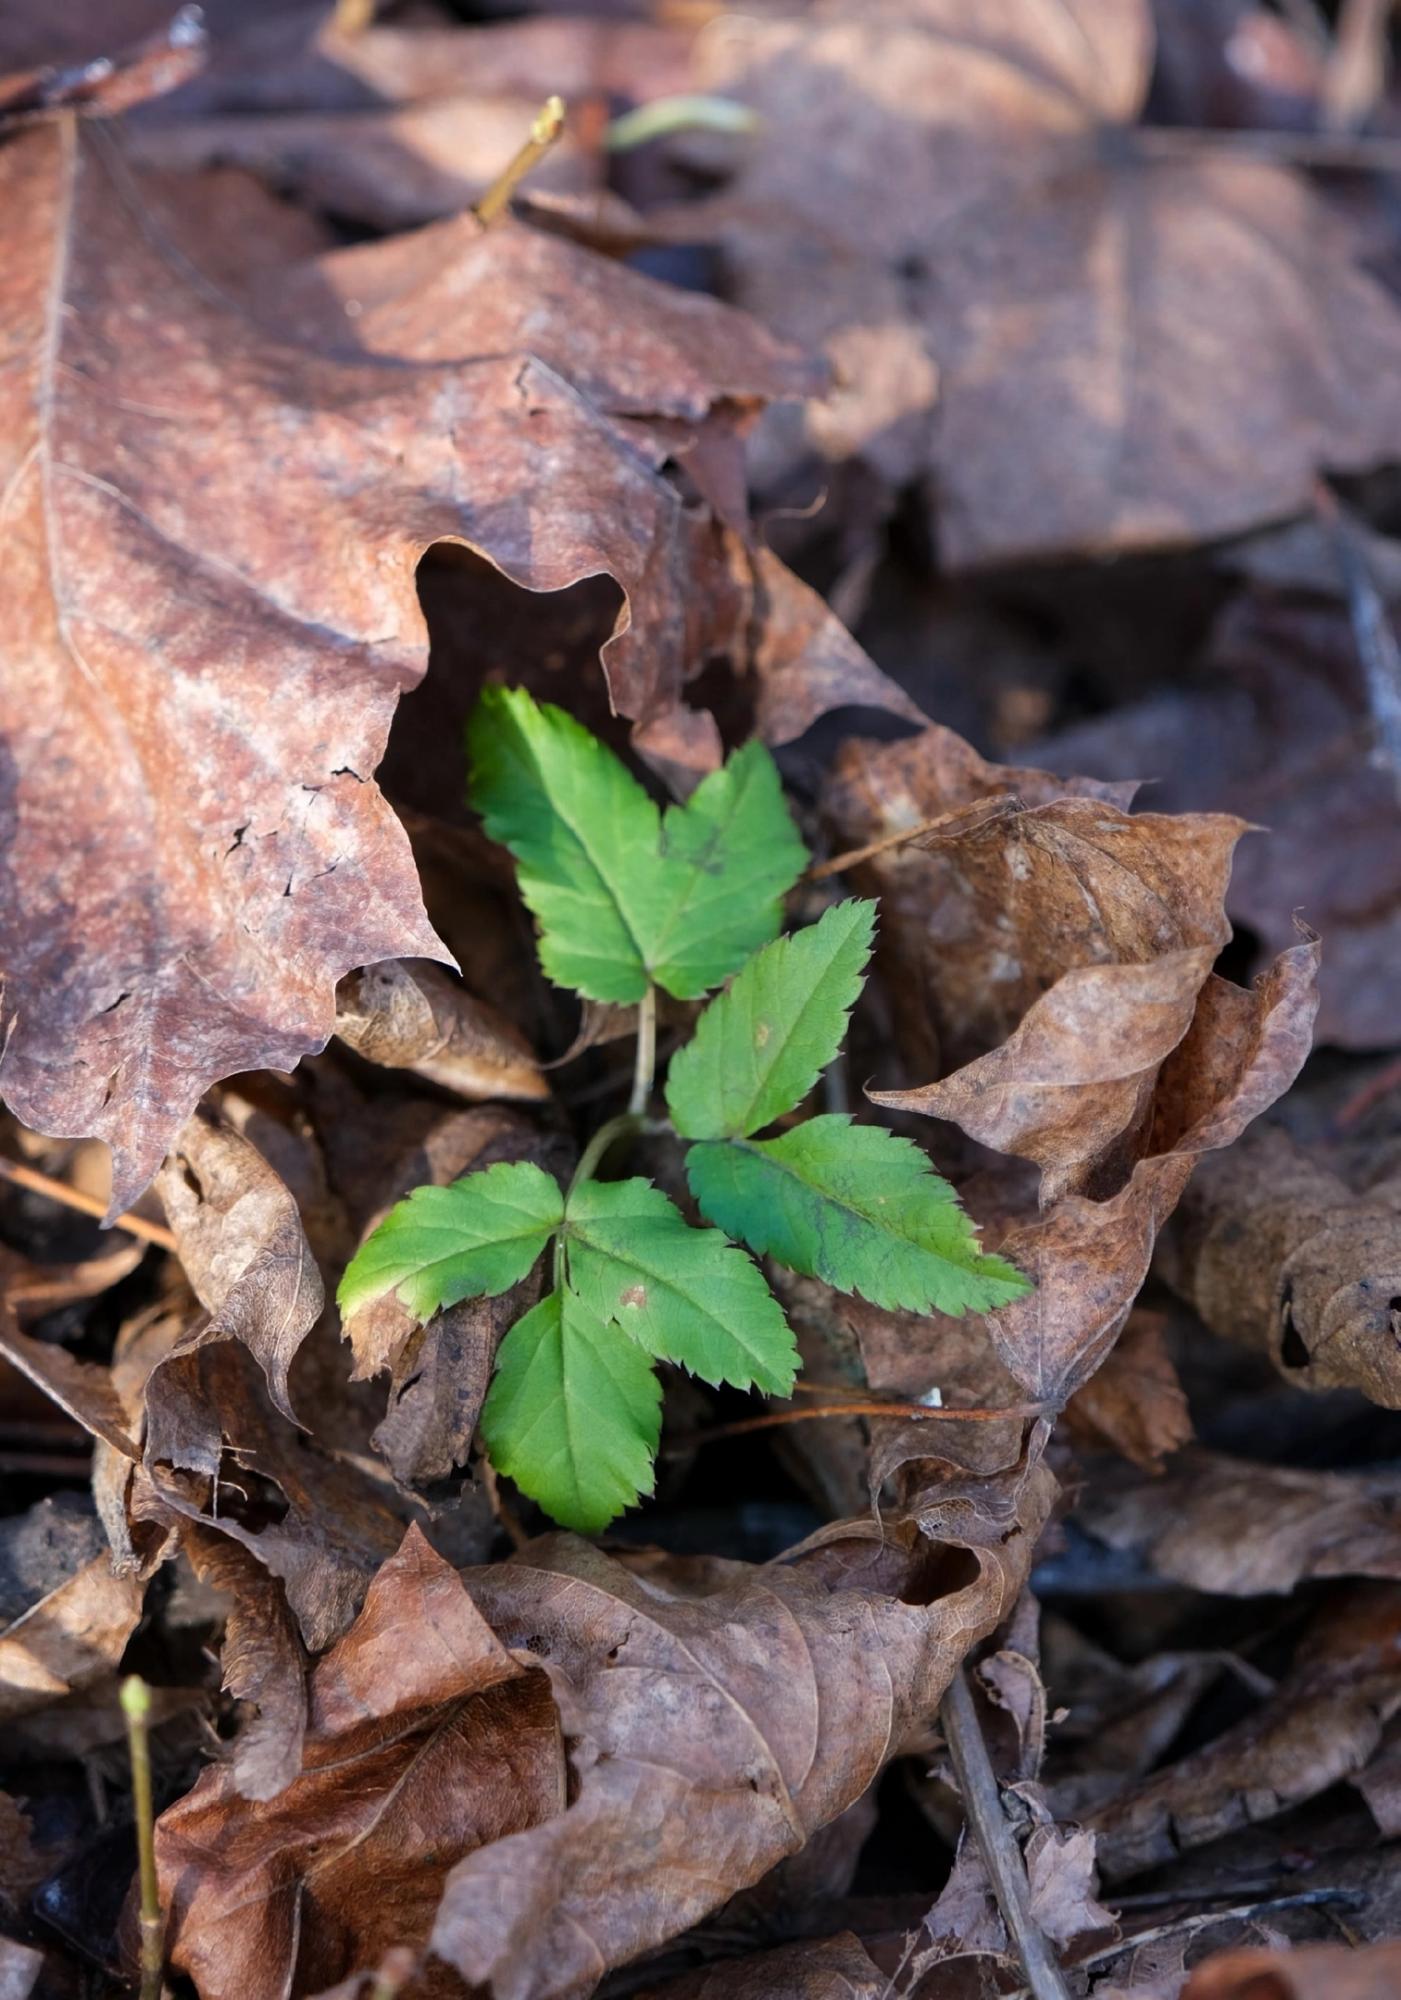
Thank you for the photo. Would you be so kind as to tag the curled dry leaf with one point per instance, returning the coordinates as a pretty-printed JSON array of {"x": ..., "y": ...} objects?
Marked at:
[
  {"x": 1134, "y": 342},
  {"x": 1323, "y": 1723},
  {"x": 263, "y": 1663},
  {"x": 74, "y": 1630},
  {"x": 242, "y": 1246},
  {"x": 407, "y": 1015},
  {"x": 1135, "y": 1404},
  {"x": 256, "y": 859},
  {"x": 1309, "y": 1972},
  {"x": 415, "y": 1754},
  {"x": 1276, "y": 1251},
  {"x": 1236, "y": 1528}
]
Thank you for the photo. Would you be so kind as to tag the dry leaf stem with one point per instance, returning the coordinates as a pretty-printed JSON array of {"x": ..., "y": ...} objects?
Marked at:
[
  {"x": 982, "y": 1805},
  {"x": 86, "y": 1204},
  {"x": 549, "y": 123},
  {"x": 136, "y": 1706}
]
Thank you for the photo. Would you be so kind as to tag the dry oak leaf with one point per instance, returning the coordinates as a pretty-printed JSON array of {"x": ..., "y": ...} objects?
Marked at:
[
  {"x": 212, "y": 532},
  {"x": 1233, "y": 1527},
  {"x": 1136, "y": 342},
  {"x": 426, "y": 1738},
  {"x": 1322, "y": 1724},
  {"x": 1278, "y": 1252},
  {"x": 719, "y": 1715},
  {"x": 1308, "y": 1972}
]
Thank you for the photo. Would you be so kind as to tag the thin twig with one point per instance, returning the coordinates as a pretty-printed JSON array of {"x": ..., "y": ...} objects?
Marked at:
[
  {"x": 873, "y": 1407},
  {"x": 86, "y": 1204},
  {"x": 136, "y": 1706},
  {"x": 549, "y": 123},
  {"x": 991, "y": 1828},
  {"x": 982, "y": 813}
]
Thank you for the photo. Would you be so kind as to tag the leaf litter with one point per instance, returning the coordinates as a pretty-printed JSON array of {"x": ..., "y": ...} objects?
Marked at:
[{"x": 1036, "y": 1625}]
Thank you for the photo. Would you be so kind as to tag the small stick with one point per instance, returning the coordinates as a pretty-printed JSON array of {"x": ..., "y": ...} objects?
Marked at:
[
  {"x": 549, "y": 123},
  {"x": 86, "y": 1204},
  {"x": 916, "y": 1412},
  {"x": 971, "y": 817},
  {"x": 136, "y": 1706},
  {"x": 982, "y": 1806}
]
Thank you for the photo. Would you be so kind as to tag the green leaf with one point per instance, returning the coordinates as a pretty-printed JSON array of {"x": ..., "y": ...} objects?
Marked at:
[
  {"x": 585, "y": 835},
  {"x": 574, "y": 1414},
  {"x": 855, "y": 1206},
  {"x": 741, "y": 854},
  {"x": 624, "y": 897},
  {"x": 471, "y": 1240},
  {"x": 683, "y": 1294},
  {"x": 759, "y": 1048}
]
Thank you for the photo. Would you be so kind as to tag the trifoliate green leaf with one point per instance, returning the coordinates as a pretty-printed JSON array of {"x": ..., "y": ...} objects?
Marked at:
[
  {"x": 585, "y": 835},
  {"x": 471, "y": 1240},
  {"x": 574, "y": 1413},
  {"x": 683, "y": 1294},
  {"x": 741, "y": 851},
  {"x": 760, "y": 1047},
  {"x": 623, "y": 897},
  {"x": 855, "y": 1206}
]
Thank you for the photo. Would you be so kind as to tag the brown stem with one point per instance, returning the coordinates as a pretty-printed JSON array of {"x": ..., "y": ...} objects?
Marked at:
[
  {"x": 549, "y": 123},
  {"x": 872, "y": 1407},
  {"x": 86, "y": 1204},
  {"x": 981, "y": 813},
  {"x": 991, "y": 1828}
]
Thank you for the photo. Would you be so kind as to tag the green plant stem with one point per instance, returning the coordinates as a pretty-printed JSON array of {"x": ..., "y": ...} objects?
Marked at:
[
  {"x": 136, "y": 1706},
  {"x": 645, "y": 1061}
]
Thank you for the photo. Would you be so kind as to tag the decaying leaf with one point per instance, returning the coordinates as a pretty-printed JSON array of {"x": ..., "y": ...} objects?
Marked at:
[
  {"x": 1135, "y": 1402},
  {"x": 1276, "y": 1250},
  {"x": 1312, "y": 1972},
  {"x": 836, "y": 1968},
  {"x": 414, "y": 1016},
  {"x": 263, "y": 1663},
  {"x": 73, "y": 1630},
  {"x": 1133, "y": 343}
]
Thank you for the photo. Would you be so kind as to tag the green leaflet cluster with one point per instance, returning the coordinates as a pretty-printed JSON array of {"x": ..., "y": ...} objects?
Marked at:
[{"x": 628, "y": 898}]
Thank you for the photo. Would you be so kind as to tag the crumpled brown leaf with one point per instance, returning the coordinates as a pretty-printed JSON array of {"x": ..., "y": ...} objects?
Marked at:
[
  {"x": 1135, "y": 1403},
  {"x": 1309, "y": 1972},
  {"x": 1134, "y": 341},
  {"x": 1275, "y": 1250},
  {"x": 218, "y": 881},
  {"x": 1234, "y": 1527},
  {"x": 1322, "y": 1723},
  {"x": 243, "y": 1249},
  {"x": 263, "y": 1663},
  {"x": 416, "y": 1017},
  {"x": 426, "y": 1738},
  {"x": 73, "y": 1632}
]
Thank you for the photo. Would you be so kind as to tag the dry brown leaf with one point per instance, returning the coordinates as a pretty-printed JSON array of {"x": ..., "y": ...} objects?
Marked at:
[
  {"x": 411, "y": 1016},
  {"x": 836, "y": 1968},
  {"x": 426, "y": 1739},
  {"x": 1309, "y": 1972},
  {"x": 1135, "y": 341},
  {"x": 1233, "y": 1527},
  {"x": 74, "y": 1633},
  {"x": 20, "y": 1966},
  {"x": 1135, "y": 1404},
  {"x": 82, "y": 1388},
  {"x": 21, "y": 1868},
  {"x": 1323, "y": 1723},
  {"x": 215, "y": 882},
  {"x": 243, "y": 1249},
  {"x": 263, "y": 1663},
  {"x": 1275, "y": 1250}
]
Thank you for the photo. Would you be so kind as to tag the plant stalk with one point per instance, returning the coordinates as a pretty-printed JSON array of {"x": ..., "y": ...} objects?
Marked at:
[
  {"x": 983, "y": 1808},
  {"x": 136, "y": 1706},
  {"x": 549, "y": 123},
  {"x": 645, "y": 1061}
]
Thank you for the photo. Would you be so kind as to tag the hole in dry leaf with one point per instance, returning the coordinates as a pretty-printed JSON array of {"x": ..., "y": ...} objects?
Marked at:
[{"x": 943, "y": 1573}]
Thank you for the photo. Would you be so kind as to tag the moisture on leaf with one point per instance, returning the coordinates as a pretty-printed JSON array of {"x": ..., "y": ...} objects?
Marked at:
[
  {"x": 623, "y": 897},
  {"x": 761, "y": 1046},
  {"x": 858, "y": 1207},
  {"x": 683, "y": 1294},
  {"x": 471, "y": 1240},
  {"x": 574, "y": 1414}
]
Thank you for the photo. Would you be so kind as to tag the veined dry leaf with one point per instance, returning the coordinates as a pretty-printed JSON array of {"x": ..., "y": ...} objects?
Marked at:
[
  {"x": 426, "y": 1739},
  {"x": 243, "y": 1248},
  {"x": 216, "y": 881},
  {"x": 74, "y": 1632},
  {"x": 1275, "y": 1250},
  {"x": 416, "y": 1017},
  {"x": 1233, "y": 1527},
  {"x": 1322, "y": 1723},
  {"x": 1133, "y": 343},
  {"x": 1309, "y": 1972},
  {"x": 1135, "y": 1403}
]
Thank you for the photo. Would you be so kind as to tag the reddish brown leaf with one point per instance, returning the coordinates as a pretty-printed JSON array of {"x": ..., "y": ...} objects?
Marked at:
[
  {"x": 1135, "y": 1403},
  {"x": 1312, "y": 1972},
  {"x": 263, "y": 1663},
  {"x": 416, "y": 1017}
]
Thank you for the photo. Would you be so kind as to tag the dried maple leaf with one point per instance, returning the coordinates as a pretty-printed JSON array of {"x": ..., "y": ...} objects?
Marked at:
[
  {"x": 212, "y": 534},
  {"x": 415, "y": 1753},
  {"x": 1277, "y": 1251},
  {"x": 1134, "y": 342}
]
